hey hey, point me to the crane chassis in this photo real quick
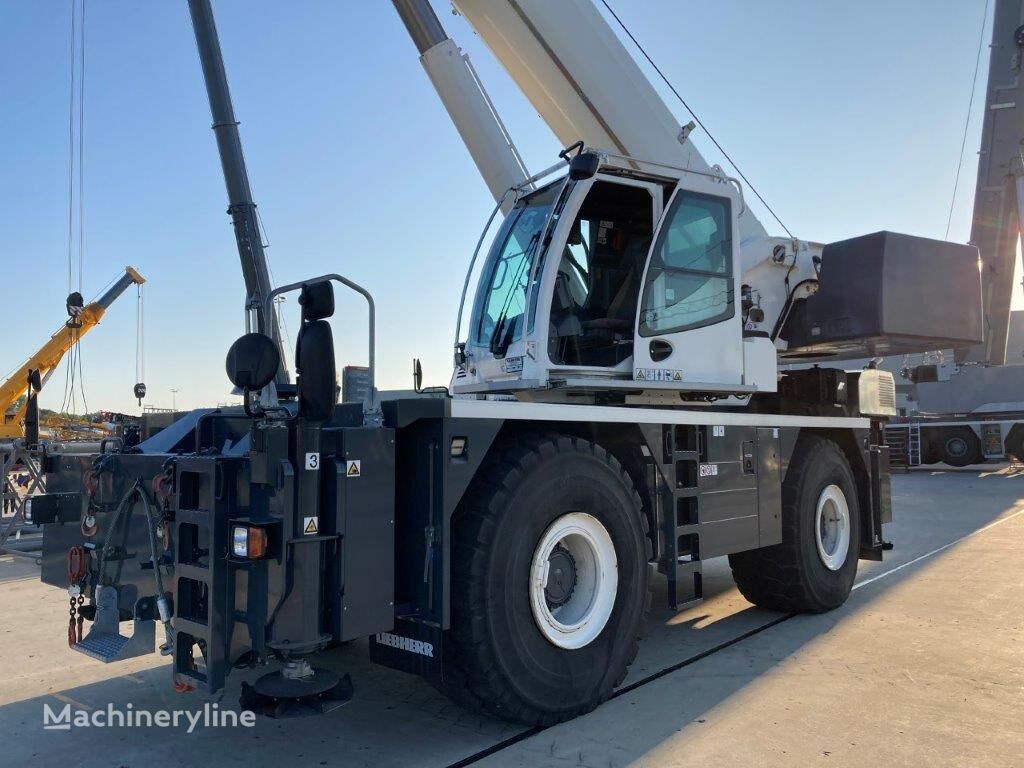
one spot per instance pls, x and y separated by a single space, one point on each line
616 411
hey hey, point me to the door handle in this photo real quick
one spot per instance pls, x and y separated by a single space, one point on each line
660 349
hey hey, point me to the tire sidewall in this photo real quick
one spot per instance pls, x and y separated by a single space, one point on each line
828 588
542 674
971 443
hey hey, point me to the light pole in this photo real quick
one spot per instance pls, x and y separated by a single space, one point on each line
174 400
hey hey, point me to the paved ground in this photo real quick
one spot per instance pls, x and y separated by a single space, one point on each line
923 666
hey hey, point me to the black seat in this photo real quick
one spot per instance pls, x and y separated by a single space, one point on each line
316 382
621 311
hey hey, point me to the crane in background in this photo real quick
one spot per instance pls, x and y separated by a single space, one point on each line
971 409
35 372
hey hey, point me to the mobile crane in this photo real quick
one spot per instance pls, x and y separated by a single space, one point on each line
971 409
630 313
36 371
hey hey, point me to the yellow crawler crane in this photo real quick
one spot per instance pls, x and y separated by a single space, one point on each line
46 360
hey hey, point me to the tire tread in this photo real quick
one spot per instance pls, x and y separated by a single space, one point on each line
774 577
471 666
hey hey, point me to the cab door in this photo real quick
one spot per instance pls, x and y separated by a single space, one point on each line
688 328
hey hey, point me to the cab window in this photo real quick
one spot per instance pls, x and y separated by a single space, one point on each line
689 282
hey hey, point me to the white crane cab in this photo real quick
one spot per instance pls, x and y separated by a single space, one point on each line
616 278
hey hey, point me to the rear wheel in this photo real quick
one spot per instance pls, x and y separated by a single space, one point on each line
813 569
549 581
1014 443
959 447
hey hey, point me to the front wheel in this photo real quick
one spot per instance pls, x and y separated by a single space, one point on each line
813 569
549 581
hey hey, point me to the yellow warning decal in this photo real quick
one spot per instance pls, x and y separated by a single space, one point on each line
310 526
352 468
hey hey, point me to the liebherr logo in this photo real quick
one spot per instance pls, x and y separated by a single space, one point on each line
210 716
406 644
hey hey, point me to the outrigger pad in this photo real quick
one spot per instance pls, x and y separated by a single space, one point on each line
105 643
276 696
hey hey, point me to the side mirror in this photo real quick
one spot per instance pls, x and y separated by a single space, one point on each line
584 165
252 361
417 376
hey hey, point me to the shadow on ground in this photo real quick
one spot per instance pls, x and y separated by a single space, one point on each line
397 719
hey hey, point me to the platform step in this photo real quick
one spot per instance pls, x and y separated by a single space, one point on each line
105 643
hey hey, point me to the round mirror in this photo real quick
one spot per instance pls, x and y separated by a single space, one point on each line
252 361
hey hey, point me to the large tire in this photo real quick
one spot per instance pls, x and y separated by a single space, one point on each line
1014 444
794 576
497 656
959 447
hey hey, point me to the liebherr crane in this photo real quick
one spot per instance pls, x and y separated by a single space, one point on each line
630 311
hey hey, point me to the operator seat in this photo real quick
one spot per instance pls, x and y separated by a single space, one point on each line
621 310
316 380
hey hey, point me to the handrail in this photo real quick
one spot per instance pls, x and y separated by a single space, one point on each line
269 301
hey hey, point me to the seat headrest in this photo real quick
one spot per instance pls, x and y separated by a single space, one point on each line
317 300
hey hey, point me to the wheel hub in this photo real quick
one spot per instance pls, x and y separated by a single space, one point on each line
573 580
832 527
957 446
561 577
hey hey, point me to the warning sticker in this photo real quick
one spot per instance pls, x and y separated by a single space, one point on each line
718 431
352 468
708 470
310 526
658 374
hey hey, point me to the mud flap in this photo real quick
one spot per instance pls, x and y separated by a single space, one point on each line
412 646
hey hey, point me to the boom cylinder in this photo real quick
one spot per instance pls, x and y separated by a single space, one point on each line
463 96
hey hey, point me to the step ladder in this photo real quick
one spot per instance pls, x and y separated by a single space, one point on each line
201 574
904 441
680 464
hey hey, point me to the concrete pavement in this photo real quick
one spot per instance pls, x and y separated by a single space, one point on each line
921 667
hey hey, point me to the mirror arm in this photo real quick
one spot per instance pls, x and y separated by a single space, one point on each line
247 403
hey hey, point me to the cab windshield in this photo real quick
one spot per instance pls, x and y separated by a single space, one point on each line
500 304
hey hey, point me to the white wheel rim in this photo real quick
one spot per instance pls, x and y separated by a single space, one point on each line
832 527
574 578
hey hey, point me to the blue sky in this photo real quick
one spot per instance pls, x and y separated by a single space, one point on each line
847 116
